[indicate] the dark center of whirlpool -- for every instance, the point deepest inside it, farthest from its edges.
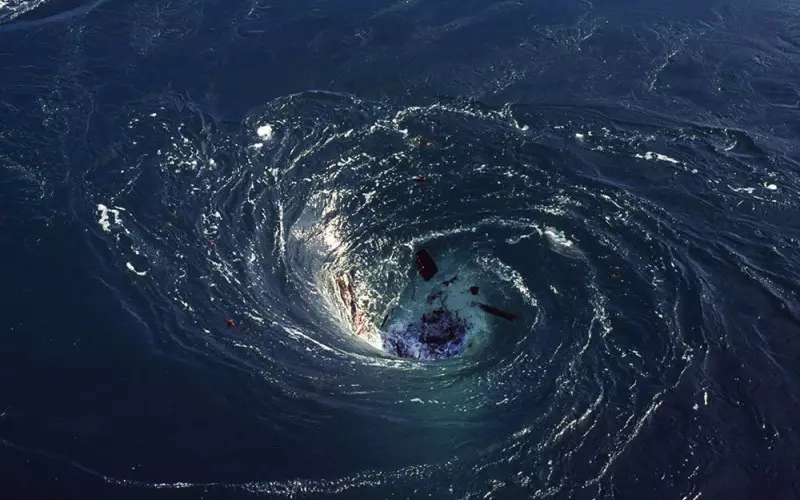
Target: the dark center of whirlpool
(438, 315)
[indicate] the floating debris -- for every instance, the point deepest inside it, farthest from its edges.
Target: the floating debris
(497, 312)
(425, 265)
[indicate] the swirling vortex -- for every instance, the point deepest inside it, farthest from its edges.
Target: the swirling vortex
(263, 217)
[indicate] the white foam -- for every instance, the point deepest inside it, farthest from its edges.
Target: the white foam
(133, 270)
(255, 318)
(508, 274)
(265, 131)
(297, 335)
(557, 237)
(657, 157)
(106, 221)
(609, 199)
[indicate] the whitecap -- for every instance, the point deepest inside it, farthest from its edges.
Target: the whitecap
(133, 270)
(265, 131)
(106, 221)
(657, 157)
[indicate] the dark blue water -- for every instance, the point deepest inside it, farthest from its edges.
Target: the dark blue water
(622, 175)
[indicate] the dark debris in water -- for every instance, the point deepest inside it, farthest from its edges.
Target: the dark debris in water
(425, 265)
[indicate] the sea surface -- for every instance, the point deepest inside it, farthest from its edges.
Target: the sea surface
(183, 182)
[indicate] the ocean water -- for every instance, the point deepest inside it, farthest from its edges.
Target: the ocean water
(182, 183)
